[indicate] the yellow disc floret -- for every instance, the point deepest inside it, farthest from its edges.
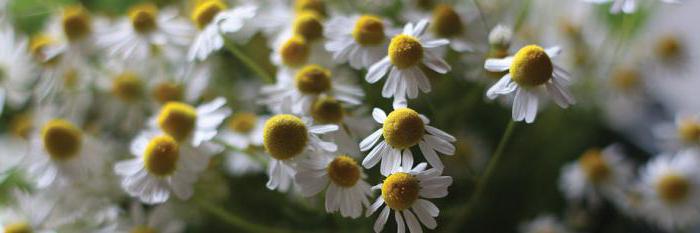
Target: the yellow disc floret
(308, 25)
(531, 66)
(243, 122)
(626, 79)
(316, 6)
(593, 166)
(205, 11)
(400, 190)
(285, 136)
(369, 30)
(62, 140)
(327, 110)
(177, 120)
(344, 171)
(161, 155)
(403, 128)
(689, 130)
(669, 48)
(405, 51)
(21, 125)
(76, 22)
(143, 229)
(446, 22)
(168, 91)
(313, 80)
(144, 17)
(673, 188)
(295, 51)
(127, 87)
(19, 227)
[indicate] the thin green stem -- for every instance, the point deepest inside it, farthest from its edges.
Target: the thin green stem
(234, 219)
(252, 65)
(482, 16)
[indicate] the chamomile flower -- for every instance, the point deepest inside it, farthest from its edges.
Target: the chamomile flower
(544, 224)
(158, 219)
(342, 179)
(403, 129)
(308, 83)
(145, 30)
(329, 110)
(73, 34)
(127, 87)
(450, 22)
(359, 40)
(15, 68)
(499, 41)
(190, 125)
(684, 132)
(244, 131)
(406, 52)
(405, 192)
(670, 185)
(625, 6)
(287, 138)
(214, 20)
(530, 72)
(32, 213)
(162, 166)
(596, 174)
(61, 153)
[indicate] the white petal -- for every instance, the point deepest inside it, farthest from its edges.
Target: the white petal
(381, 220)
(435, 43)
(400, 225)
(498, 65)
(504, 86)
(413, 224)
(435, 63)
(321, 129)
(370, 140)
(378, 70)
(553, 51)
(378, 115)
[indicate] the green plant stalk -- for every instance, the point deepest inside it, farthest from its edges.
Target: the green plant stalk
(235, 220)
(252, 65)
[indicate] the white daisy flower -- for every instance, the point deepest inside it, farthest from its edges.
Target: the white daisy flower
(625, 6)
(403, 129)
(245, 130)
(450, 22)
(11, 154)
(670, 185)
(359, 40)
(596, 174)
(341, 178)
(72, 32)
(190, 125)
(405, 192)
(127, 109)
(15, 68)
(352, 123)
(61, 153)
(162, 166)
(32, 213)
(297, 93)
(683, 132)
(530, 72)
(544, 224)
(134, 37)
(159, 219)
(287, 138)
(214, 21)
(406, 52)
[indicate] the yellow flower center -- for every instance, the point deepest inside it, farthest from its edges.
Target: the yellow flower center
(295, 51)
(76, 22)
(405, 51)
(127, 87)
(243, 122)
(205, 11)
(38, 43)
(161, 156)
(21, 125)
(344, 171)
(400, 190)
(317, 6)
(62, 140)
(531, 66)
(593, 165)
(308, 25)
(20, 227)
(143, 229)
(673, 188)
(369, 30)
(625, 79)
(403, 128)
(313, 80)
(446, 22)
(327, 110)
(178, 120)
(143, 17)
(168, 91)
(689, 131)
(669, 48)
(285, 136)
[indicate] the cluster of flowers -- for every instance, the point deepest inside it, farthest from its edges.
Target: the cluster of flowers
(89, 85)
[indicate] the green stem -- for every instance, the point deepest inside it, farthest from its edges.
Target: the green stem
(252, 65)
(482, 16)
(235, 220)
(483, 181)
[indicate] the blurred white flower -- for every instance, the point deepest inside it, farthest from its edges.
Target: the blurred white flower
(215, 21)
(359, 40)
